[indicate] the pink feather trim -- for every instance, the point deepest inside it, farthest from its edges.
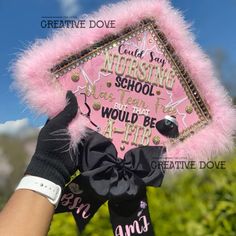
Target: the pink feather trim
(34, 82)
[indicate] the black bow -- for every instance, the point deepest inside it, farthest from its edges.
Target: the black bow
(122, 182)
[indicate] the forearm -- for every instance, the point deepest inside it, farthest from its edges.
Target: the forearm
(27, 213)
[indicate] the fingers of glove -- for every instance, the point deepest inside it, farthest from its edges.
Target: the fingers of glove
(63, 119)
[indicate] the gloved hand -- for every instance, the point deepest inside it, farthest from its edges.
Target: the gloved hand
(54, 158)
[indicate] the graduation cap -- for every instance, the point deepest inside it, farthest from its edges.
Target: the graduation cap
(137, 76)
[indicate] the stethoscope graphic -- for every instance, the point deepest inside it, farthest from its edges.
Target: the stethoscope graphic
(88, 114)
(167, 127)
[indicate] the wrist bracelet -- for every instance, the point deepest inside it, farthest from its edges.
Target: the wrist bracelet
(42, 186)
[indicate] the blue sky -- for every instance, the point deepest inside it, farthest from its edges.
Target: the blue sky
(213, 24)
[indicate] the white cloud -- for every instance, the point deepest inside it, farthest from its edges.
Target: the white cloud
(18, 128)
(69, 7)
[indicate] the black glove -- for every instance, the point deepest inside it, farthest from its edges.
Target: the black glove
(54, 158)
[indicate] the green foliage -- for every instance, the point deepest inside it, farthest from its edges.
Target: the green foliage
(192, 204)
(13, 148)
(63, 225)
(188, 203)
(234, 100)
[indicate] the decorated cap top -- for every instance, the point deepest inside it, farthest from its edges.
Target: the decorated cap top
(129, 78)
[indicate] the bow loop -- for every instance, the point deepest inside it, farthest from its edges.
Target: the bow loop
(115, 178)
(122, 182)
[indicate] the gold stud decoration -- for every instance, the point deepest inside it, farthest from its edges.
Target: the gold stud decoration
(156, 140)
(109, 84)
(75, 77)
(189, 109)
(122, 147)
(96, 105)
(158, 92)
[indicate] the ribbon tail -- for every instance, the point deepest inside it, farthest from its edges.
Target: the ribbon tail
(131, 217)
(80, 202)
